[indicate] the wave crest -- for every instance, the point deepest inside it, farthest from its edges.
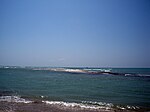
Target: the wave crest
(83, 104)
(79, 105)
(15, 99)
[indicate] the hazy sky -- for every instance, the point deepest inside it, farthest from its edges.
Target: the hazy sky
(97, 33)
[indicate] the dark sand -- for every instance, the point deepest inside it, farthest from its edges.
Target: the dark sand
(42, 107)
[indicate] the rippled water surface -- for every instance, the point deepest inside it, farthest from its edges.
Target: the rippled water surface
(70, 87)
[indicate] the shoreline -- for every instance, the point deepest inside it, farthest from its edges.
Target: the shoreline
(44, 107)
(19, 104)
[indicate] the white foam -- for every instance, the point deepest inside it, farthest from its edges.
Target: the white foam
(80, 105)
(75, 70)
(98, 69)
(127, 74)
(98, 103)
(128, 107)
(15, 99)
(42, 96)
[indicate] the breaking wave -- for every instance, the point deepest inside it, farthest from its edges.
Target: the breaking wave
(83, 104)
(92, 105)
(78, 105)
(15, 99)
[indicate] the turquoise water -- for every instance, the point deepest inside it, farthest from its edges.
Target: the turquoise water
(69, 87)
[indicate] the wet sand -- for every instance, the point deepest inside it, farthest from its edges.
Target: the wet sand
(41, 107)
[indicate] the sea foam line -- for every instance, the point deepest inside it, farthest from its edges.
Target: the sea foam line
(78, 105)
(15, 99)
(84, 104)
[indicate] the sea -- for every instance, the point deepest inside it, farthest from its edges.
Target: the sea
(128, 91)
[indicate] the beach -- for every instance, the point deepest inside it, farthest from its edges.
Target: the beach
(19, 104)
(42, 107)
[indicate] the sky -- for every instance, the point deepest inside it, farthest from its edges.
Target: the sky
(75, 33)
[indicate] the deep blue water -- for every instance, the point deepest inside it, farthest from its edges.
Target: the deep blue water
(61, 86)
